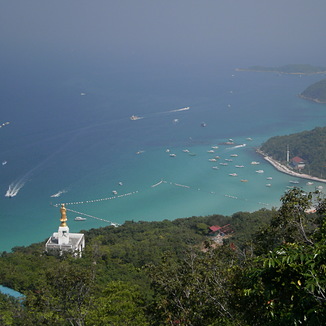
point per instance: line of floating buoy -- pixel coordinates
(179, 185)
(157, 184)
(97, 218)
(213, 192)
(97, 200)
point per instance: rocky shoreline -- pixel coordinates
(280, 167)
(316, 100)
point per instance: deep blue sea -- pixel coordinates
(70, 133)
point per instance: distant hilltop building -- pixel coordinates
(63, 240)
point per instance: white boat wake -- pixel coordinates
(163, 112)
(237, 146)
(183, 109)
(59, 193)
(14, 188)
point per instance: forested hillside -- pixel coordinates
(309, 145)
(316, 92)
(269, 270)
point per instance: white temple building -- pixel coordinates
(63, 240)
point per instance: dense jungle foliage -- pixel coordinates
(309, 145)
(316, 92)
(269, 271)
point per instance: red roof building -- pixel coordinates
(298, 163)
(214, 228)
(222, 230)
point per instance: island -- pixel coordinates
(295, 69)
(302, 154)
(315, 92)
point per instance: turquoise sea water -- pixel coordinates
(72, 134)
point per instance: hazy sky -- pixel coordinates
(245, 32)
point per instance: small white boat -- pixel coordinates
(269, 178)
(309, 183)
(173, 155)
(79, 218)
(222, 163)
(234, 155)
(135, 117)
(268, 185)
(212, 159)
(215, 167)
(210, 151)
(185, 150)
(114, 192)
(232, 174)
(260, 171)
(4, 162)
(239, 166)
(294, 182)
(255, 163)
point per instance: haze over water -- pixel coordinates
(69, 103)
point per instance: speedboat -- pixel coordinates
(233, 174)
(255, 163)
(260, 171)
(79, 218)
(135, 117)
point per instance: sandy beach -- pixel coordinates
(280, 167)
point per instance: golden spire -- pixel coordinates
(63, 218)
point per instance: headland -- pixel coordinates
(284, 169)
(290, 69)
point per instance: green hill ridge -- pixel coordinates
(308, 145)
(315, 92)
